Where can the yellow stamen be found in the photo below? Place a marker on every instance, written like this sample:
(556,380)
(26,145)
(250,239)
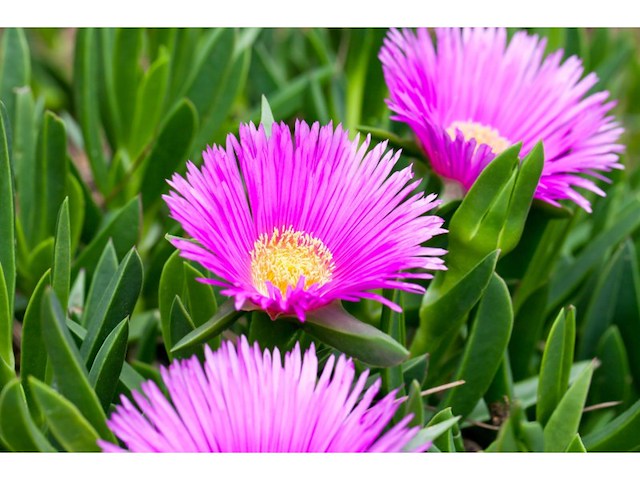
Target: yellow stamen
(287,255)
(482,134)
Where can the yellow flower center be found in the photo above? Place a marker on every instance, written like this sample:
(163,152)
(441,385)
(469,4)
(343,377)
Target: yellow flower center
(287,255)
(482,134)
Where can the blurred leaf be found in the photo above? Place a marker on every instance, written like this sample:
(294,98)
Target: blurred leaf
(76,211)
(443,311)
(40,259)
(66,422)
(7,219)
(6,328)
(33,360)
(125,59)
(61,269)
(565,281)
(556,364)
(106,368)
(17,429)
(123,229)
(612,381)
(150,100)
(266,119)
(409,147)
(565,419)
(444,442)
(484,349)
(335,327)
(24,152)
(68,367)
(15,65)
(224,317)
(527,330)
(85,84)
(619,435)
(169,152)
(414,406)
(117,302)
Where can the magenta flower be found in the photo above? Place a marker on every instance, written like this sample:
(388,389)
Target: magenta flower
(245,400)
(290,225)
(475,94)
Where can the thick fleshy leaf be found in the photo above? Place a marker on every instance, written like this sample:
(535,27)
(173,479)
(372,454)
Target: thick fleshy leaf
(619,435)
(171,285)
(563,424)
(576,445)
(17,429)
(24,152)
(106,268)
(484,349)
(199,296)
(76,210)
(72,378)
(65,420)
(556,364)
(443,312)
(117,302)
(337,328)
(7,218)
(414,406)
(272,333)
(33,360)
(123,229)
(107,366)
(224,317)
(61,269)
(181,325)
(170,151)
(85,86)
(431,433)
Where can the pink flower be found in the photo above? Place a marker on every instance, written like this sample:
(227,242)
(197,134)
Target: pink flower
(245,400)
(288,225)
(475,94)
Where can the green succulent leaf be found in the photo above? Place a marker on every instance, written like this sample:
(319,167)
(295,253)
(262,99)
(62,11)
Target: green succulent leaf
(61,271)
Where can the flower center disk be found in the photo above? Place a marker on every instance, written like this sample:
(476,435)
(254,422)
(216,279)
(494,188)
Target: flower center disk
(482,134)
(287,255)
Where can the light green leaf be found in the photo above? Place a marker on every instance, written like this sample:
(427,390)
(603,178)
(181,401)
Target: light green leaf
(266,118)
(61,270)
(15,65)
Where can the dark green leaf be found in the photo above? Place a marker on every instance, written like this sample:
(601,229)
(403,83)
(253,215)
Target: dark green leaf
(127,49)
(65,420)
(7,217)
(273,333)
(181,325)
(200,297)
(337,328)
(76,210)
(619,435)
(556,364)
(106,268)
(123,229)
(61,270)
(612,381)
(171,285)
(107,366)
(414,406)
(6,325)
(17,429)
(117,302)
(170,151)
(71,374)
(484,349)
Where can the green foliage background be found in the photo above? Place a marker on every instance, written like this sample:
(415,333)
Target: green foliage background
(93,299)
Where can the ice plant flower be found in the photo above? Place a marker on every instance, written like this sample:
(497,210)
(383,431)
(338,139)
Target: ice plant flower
(474,94)
(245,400)
(288,225)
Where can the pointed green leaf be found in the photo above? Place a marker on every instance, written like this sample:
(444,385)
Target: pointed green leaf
(33,360)
(565,419)
(106,268)
(65,420)
(617,436)
(337,328)
(170,151)
(224,317)
(556,364)
(484,349)
(6,325)
(69,370)
(443,311)
(7,216)
(61,270)
(272,333)
(181,325)
(576,445)
(266,118)
(107,366)
(76,210)
(200,297)
(117,302)
(24,152)
(444,442)
(414,406)
(611,382)
(123,229)
(17,429)
(430,433)
(171,285)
